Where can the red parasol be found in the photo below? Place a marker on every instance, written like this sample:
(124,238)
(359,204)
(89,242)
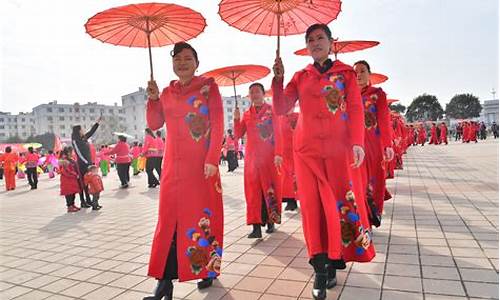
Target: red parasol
(146,25)
(19,148)
(376,78)
(343,47)
(278,17)
(391,101)
(236,75)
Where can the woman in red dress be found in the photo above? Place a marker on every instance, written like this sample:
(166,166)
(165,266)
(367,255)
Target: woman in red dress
(188,240)
(378,142)
(443,133)
(262,184)
(328,151)
(284,160)
(422,134)
(434,137)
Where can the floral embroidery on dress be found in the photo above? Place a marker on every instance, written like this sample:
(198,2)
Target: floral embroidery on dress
(370,111)
(265,125)
(272,203)
(333,92)
(198,123)
(206,253)
(352,231)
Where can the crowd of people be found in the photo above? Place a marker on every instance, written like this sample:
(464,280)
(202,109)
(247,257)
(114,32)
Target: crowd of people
(327,143)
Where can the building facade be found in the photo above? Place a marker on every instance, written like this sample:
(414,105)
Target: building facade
(21,125)
(134,105)
(489,113)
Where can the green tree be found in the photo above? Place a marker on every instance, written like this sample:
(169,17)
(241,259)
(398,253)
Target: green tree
(463,106)
(400,108)
(424,107)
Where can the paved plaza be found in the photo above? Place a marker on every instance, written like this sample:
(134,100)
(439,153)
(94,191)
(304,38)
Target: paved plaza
(439,240)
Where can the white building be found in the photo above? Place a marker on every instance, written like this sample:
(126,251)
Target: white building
(134,105)
(21,125)
(228,105)
(489,113)
(60,118)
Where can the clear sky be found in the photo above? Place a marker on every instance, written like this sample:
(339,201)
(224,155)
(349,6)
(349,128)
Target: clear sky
(439,47)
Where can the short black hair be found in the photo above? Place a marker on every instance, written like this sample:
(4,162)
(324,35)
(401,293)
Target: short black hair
(8,149)
(323,27)
(365,63)
(178,47)
(30,149)
(122,138)
(259,85)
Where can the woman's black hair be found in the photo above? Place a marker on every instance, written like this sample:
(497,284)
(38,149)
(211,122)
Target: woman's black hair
(122,138)
(158,133)
(323,27)
(8,149)
(51,152)
(64,152)
(178,47)
(365,63)
(30,150)
(259,85)
(75,135)
(136,143)
(150,132)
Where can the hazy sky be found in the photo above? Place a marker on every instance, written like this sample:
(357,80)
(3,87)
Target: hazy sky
(440,47)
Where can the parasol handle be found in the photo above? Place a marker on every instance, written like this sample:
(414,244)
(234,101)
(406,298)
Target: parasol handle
(148,33)
(235,97)
(279,28)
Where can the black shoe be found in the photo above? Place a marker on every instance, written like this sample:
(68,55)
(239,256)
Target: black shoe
(270,228)
(33,188)
(332,277)
(95,205)
(205,283)
(319,287)
(256,233)
(164,288)
(85,205)
(291,205)
(124,186)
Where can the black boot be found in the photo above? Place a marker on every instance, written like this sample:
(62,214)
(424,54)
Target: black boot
(291,205)
(319,287)
(270,228)
(95,205)
(319,262)
(84,204)
(165,288)
(256,233)
(332,277)
(205,283)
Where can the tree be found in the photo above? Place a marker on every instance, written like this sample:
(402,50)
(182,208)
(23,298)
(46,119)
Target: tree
(400,108)
(463,106)
(424,107)
(104,134)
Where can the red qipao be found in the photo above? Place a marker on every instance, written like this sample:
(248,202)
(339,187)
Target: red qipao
(422,135)
(443,134)
(466,133)
(434,138)
(260,175)
(285,150)
(377,139)
(190,204)
(331,119)
(122,152)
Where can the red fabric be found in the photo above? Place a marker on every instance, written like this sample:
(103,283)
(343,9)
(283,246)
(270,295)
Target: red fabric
(260,174)
(94,183)
(149,147)
(378,136)
(434,138)
(285,150)
(31,160)
(190,204)
(9,161)
(443,134)
(69,177)
(135,151)
(422,135)
(231,143)
(93,152)
(160,145)
(240,74)
(57,144)
(122,151)
(331,119)
(343,47)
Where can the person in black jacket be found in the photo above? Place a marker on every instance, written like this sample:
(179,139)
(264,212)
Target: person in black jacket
(83,157)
